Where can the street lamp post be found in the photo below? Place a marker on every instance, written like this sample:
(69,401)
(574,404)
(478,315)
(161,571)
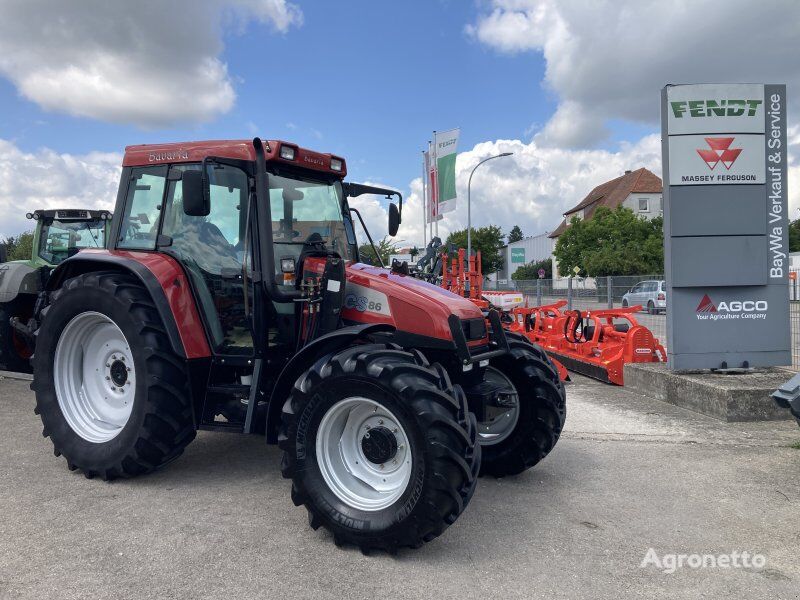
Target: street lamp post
(469,207)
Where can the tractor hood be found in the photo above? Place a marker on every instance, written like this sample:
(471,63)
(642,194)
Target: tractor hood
(376,295)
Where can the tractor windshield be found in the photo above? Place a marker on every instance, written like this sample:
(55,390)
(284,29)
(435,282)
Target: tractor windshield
(58,240)
(308,211)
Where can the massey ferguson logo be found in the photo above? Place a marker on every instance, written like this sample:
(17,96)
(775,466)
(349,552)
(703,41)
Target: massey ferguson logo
(720,152)
(730,309)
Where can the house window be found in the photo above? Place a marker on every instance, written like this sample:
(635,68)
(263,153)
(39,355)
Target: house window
(644,205)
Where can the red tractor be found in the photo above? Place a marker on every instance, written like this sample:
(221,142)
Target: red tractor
(231,298)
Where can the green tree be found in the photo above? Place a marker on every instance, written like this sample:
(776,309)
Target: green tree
(531,270)
(385,248)
(414,251)
(488,240)
(515,235)
(614,242)
(20,247)
(794,236)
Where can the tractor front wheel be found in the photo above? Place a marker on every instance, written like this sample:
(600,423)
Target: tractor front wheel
(110,391)
(526,421)
(380,447)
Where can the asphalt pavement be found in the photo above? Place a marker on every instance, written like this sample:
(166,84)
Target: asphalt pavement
(628,475)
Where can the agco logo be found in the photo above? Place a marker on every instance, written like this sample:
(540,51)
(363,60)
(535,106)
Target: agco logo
(721,152)
(707,310)
(715,108)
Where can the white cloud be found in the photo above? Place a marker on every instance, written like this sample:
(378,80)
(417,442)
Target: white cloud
(609,59)
(46,179)
(532,188)
(151,63)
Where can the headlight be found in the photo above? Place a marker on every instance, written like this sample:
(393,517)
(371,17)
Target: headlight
(287,265)
(287,153)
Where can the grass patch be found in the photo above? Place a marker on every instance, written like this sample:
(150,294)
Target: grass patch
(796,445)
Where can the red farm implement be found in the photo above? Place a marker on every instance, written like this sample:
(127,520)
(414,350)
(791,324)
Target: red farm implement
(598,343)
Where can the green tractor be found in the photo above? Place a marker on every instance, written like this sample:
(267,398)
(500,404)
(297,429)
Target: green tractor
(58,235)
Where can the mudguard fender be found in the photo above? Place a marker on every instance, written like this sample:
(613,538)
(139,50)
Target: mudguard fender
(17,278)
(325,344)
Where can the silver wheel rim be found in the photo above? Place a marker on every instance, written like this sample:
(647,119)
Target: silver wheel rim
(353,478)
(501,420)
(95,379)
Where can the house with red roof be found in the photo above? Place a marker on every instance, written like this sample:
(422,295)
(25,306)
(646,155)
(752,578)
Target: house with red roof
(638,190)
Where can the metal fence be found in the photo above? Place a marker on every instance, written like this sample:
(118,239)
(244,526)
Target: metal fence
(607,292)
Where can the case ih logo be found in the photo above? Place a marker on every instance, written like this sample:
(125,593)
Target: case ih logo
(731,309)
(721,152)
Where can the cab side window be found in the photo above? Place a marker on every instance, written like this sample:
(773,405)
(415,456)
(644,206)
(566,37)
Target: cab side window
(143,208)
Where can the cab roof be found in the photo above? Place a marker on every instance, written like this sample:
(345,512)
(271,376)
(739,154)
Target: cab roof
(181,152)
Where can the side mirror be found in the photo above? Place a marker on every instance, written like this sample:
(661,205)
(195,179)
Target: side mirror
(394,219)
(196,201)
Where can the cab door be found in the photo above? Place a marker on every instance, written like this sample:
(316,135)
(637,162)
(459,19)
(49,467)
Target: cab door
(217,254)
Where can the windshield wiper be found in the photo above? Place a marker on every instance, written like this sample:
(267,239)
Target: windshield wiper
(369,237)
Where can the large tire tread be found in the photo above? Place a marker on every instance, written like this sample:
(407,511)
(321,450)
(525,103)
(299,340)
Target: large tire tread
(451,437)
(167,427)
(540,387)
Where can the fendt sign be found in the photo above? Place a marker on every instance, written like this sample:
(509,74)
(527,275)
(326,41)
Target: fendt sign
(726,225)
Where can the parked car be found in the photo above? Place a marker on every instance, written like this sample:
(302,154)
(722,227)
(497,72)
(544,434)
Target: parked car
(652,295)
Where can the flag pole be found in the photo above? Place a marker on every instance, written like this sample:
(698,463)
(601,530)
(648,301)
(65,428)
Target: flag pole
(436,191)
(430,191)
(424,202)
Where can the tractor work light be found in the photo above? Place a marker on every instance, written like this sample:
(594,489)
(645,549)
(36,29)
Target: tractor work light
(336,164)
(287,153)
(29,216)
(287,265)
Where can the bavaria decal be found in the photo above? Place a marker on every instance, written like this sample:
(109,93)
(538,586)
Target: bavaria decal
(712,160)
(707,310)
(366,300)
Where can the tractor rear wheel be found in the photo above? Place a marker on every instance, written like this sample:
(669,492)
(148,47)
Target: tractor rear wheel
(110,391)
(380,447)
(526,425)
(14,353)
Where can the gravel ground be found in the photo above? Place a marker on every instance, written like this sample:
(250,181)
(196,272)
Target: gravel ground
(629,474)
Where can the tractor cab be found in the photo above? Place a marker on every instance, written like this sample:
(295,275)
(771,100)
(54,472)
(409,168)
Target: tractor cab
(62,233)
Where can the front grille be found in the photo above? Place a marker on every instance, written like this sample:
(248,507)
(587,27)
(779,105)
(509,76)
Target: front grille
(474,329)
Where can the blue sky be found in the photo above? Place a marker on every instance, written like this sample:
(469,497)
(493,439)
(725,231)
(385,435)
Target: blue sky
(572,88)
(369,80)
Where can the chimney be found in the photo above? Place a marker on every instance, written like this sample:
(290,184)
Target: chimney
(628,172)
